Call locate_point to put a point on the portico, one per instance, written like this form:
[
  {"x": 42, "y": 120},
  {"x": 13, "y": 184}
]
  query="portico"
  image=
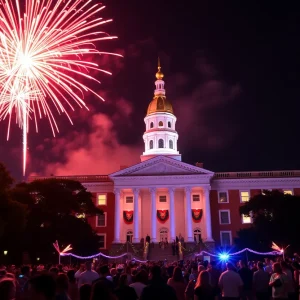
[{"x": 161, "y": 193}]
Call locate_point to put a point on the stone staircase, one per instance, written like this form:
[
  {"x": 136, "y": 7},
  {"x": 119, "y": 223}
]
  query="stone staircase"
[{"x": 156, "y": 253}]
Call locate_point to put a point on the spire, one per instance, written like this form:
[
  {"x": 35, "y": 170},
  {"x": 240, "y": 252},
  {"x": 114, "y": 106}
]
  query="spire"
[{"x": 159, "y": 74}]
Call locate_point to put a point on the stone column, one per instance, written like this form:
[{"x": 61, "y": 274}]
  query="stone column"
[
  {"x": 207, "y": 215},
  {"x": 172, "y": 214},
  {"x": 117, "y": 215},
  {"x": 136, "y": 235},
  {"x": 188, "y": 215},
  {"x": 153, "y": 215}
]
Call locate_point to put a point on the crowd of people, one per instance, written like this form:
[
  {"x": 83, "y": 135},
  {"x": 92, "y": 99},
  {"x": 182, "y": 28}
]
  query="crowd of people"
[{"x": 181, "y": 280}]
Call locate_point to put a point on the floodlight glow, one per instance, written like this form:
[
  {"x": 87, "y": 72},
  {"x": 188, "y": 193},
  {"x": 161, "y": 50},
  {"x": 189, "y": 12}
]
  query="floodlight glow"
[{"x": 224, "y": 256}]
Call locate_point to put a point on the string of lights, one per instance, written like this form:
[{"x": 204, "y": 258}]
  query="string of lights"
[
  {"x": 225, "y": 256},
  {"x": 93, "y": 256}
]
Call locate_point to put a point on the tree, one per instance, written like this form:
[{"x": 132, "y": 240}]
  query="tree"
[
  {"x": 12, "y": 214},
  {"x": 52, "y": 205},
  {"x": 275, "y": 218}
]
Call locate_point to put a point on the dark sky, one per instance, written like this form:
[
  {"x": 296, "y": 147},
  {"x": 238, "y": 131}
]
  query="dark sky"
[{"x": 232, "y": 73}]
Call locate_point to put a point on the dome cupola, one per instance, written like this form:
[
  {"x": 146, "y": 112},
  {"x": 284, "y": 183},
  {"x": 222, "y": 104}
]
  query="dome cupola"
[{"x": 160, "y": 137}]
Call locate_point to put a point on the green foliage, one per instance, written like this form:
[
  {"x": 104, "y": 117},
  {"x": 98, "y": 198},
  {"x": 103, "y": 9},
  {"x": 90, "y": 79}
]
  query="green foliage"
[
  {"x": 34, "y": 215},
  {"x": 275, "y": 218}
]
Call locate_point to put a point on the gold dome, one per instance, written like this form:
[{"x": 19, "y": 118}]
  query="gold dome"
[
  {"x": 159, "y": 75},
  {"x": 159, "y": 104}
]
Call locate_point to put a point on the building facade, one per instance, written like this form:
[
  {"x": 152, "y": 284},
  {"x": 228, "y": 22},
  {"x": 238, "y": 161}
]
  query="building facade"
[{"x": 164, "y": 197}]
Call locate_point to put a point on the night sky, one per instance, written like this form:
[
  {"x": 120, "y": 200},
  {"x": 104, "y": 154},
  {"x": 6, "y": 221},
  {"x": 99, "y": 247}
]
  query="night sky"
[{"x": 232, "y": 73}]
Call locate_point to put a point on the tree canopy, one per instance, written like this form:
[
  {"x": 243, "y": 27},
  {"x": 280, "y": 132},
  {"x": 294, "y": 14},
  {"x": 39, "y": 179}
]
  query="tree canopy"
[
  {"x": 275, "y": 218},
  {"x": 33, "y": 215}
]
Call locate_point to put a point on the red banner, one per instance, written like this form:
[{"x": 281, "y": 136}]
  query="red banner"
[
  {"x": 162, "y": 215},
  {"x": 197, "y": 215},
  {"x": 128, "y": 216}
]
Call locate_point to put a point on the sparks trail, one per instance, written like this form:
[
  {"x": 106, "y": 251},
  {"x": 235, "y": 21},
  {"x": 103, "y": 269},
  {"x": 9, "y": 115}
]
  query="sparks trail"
[{"x": 41, "y": 54}]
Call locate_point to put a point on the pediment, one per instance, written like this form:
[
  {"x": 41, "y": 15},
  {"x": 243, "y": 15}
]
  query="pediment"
[{"x": 160, "y": 166}]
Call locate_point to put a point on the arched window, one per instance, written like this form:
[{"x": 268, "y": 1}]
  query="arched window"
[
  {"x": 170, "y": 144},
  {"x": 160, "y": 124},
  {"x": 169, "y": 124},
  {"x": 151, "y": 144},
  {"x": 160, "y": 143},
  {"x": 151, "y": 125}
]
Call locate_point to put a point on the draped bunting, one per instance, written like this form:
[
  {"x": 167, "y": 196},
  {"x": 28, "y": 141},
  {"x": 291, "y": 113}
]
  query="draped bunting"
[
  {"x": 162, "y": 215},
  {"x": 128, "y": 216},
  {"x": 197, "y": 215}
]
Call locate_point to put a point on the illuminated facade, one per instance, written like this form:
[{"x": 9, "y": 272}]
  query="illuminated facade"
[{"x": 165, "y": 197}]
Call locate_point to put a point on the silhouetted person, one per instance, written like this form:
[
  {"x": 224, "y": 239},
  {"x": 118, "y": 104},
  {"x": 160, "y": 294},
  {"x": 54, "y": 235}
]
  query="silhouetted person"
[
  {"x": 147, "y": 238},
  {"x": 157, "y": 289}
]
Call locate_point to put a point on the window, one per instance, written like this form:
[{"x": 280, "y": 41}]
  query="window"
[
  {"x": 245, "y": 197},
  {"x": 223, "y": 197},
  {"x": 226, "y": 239},
  {"x": 129, "y": 236},
  {"x": 196, "y": 197},
  {"x": 151, "y": 144},
  {"x": 288, "y": 192},
  {"x": 151, "y": 125},
  {"x": 160, "y": 124},
  {"x": 170, "y": 144},
  {"x": 162, "y": 198},
  {"x": 246, "y": 219},
  {"x": 224, "y": 216},
  {"x": 101, "y": 220},
  {"x": 129, "y": 199},
  {"x": 102, "y": 241},
  {"x": 169, "y": 124},
  {"x": 160, "y": 143},
  {"x": 101, "y": 199}
]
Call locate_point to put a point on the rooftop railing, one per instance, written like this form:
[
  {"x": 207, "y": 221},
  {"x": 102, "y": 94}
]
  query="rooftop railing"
[
  {"x": 257, "y": 174},
  {"x": 80, "y": 178}
]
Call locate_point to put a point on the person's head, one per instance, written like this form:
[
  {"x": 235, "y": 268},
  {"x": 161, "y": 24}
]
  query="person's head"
[
  {"x": 85, "y": 292},
  {"x": 123, "y": 280},
  {"x": 277, "y": 268},
  {"x": 60, "y": 268},
  {"x": 62, "y": 282},
  {"x": 42, "y": 287},
  {"x": 230, "y": 267},
  {"x": 25, "y": 270},
  {"x": 202, "y": 279},
  {"x": 242, "y": 264},
  {"x": 88, "y": 266},
  {"x": 54, "y": 271},
  {"x": 7, "y": 289},
  {"x": 267, "y": 260},
  {"x": 142, "y": 277},
  {"x": 71, "y": 276},
  {"x": 260, "y": 265},
  {"x": 177, "y": 275},
  {"x": 100, "y": 291},
  {"x": 104, "y": 270},
  {"x": 283, "y": 265},
  {"x": 201, "y": 268},
  {"x": 113, "y": 271},
  {"x": 155, "y": 272}
]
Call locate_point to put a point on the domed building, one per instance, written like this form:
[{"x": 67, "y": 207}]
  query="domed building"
[
  {"x": 166, "y": 198},
  {"x": 160, "y": 137}
]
